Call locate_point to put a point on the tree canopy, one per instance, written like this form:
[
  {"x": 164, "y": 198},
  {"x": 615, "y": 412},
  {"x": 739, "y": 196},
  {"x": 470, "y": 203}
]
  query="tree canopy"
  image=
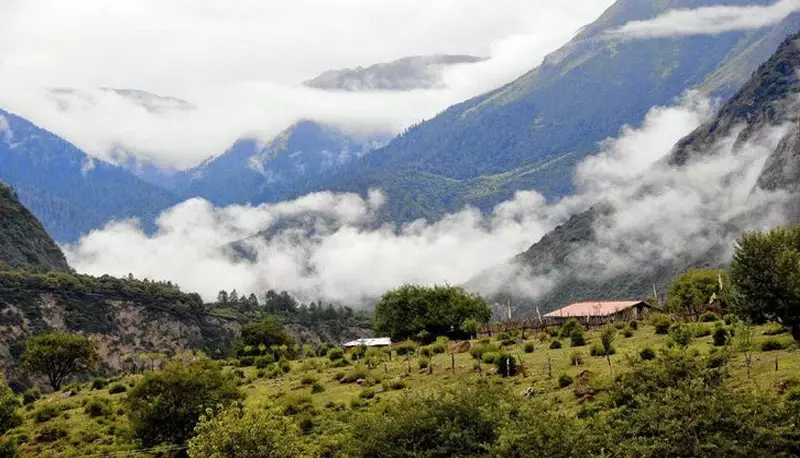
[
  {"x": 266, "y": 333},
  {"x": 165, "y": 406},
  {"x": 8, "y": 407},
  {"x": 691, "y": 293},
  {"x": 440, "y": 310},
  {"x": 765, "y": 272},
  {"x": 57, "y": 355}
]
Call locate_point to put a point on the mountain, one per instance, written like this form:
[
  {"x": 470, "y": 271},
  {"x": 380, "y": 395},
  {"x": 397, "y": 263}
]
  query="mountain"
[
  {"x": 255, "y": 172},
  {"x": 406, "y": 74},
  {"x": 531, "y": 133},
  {"x": 768, "y": 99},
  {"x": 65, "y": 98},
  {"x": 24, "y": 244},
  {"x": 70, "y": 192}
]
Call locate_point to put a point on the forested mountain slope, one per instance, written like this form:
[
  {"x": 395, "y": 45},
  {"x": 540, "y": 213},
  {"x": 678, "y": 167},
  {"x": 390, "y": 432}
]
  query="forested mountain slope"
[
  {"x": 24, "y": 244},
  {"x": 767, "y": 100},
  {"x": 530, "y": 133},
  {"x": 66, "y": 189}
]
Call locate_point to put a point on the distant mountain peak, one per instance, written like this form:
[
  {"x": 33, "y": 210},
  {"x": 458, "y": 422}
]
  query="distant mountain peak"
[
  {"x": 405, "y": 74},
  {"x": 65, "y": 98}
]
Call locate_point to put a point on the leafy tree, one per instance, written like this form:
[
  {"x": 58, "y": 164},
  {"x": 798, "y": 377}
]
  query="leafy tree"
[
  {"x": 691, "y": 293},
  {"x": 8, "y": 407},
  {"x": 254, "y": 432},
  {"x": 267, "y": 333},
  {"x": 680, "y": 334},
  {"x": 57, "y": 355},
  {"x": 607, "y": 341},
  {"x": 470, "y": 327},
  {"x": 765, "y": 272},
  {"x": 165, "y": 406},
  {"x": 439, "y": 310}
]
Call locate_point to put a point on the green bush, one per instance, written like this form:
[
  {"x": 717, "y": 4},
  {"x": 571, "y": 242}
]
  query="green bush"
[
  {"x": 440, "y": 346},
  {"x": 576, "y": 358},
  {"x": 426, "y": 352},
  {"x": 627, "y": 331},
  {"x": 405, "y": 348},
  {"x": 8, "y": 448},
  {"x": 261, "y": 362},
  {"x": 298, "y": 404},
  {"x": 774, "y": 329},
  {"x": 358, "y": 372},
  {"x": 774, "y": 345},
  {"x": 576, "y": 338},
  {"x": 424, "y": 363},
  {"x": 117, "y": 388},
  {"x": 721, "y": 336},
  {"x": 367, "y": 393},
  {"x": 45, "y": 413},
  {"x": 709, "y": 317},
  {"x": 567, "y": 328},
  {"x": 528, "y": 347},
  {"x": 307, "y": 379},
  {"x": 317, "y": 387},
  {"x": 30, "y": 396},
  {"x": 506, "y": 365},
  {"x": 647, "y": 354},
  {"x": 285, "y": 366},
  {"x": 680, "y": 335},
  {"x": 634, "y": 325},
  {"x": 97, "y": 407},
  {"x": 701, "y": 330},
  {"x": 246, "y": 361},
  {"x": 477, "y": 351},
  {"x": 397, "y": 384},
  {"x": 335, "y": 354},
  {"x": 598, "y": 350},
  {"x": 490, "y": 357},
  {"x": 661, "y": 323},
  {"x": 99, "y": 383},
  {"x": 555, "y": 345},
  {"x": 51, "y": 433},
  {"x": 564, "y": 381}
]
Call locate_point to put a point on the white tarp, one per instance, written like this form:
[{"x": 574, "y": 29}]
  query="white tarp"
[{"x": 378, "y": 342}]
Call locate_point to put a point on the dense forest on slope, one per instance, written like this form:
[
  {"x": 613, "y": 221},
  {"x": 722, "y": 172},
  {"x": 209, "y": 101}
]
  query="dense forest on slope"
[
  {"x": 767, "y": 99},
  {"x": 66, "y": 189},
  {"x": 24, "y": 244}
]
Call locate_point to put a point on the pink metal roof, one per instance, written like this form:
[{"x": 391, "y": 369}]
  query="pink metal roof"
[{"x": 593, "y": 308}]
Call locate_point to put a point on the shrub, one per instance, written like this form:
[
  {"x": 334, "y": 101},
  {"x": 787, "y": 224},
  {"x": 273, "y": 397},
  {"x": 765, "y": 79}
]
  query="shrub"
[
  {"x": 634, "y": 325},
  {"x": 506, "y": 365},
  {"x": 647, "y": 354},
  {"x": 709, "y": 317},
  {"x": 317, "y": 387},
  {"x": 367, "y": 393},
  {"x": 9, "y": 418},
  {"x": 99, "y": 383},
  {"x": 405, "y": 348},
  {"x": 97, "y": 407},
  {"x": 261, "y": 362},
  {"x": 307, "y": 380},
  {"x": 491, "y": 357},
  {"x": 45, "y": 413},
  {"x": 357, "y": 353},
  {"x": 571, "y": 325},
  {"x": 730, "y": 319},
  {"x": 627, "y": 332},
  {"x": 335, "y": 354},
  {"x": 285, "y": 366},
  {"x": 773, "y": 345},
  {"x": 424, "y": 363},
  {"x": 576, "y": 358},
  {"x": 555, "y": 345},
  {"x": 8, "y": 448},
  {"x": 774, "y": 329},
  {"x": 165, "y": 406},
  {"x": 508, "y": 343},
  {"x": 298, "y": 404},
  {"x": 341, "y": 363},
  {"x": 246, "y": 361},
  {"x": 51, "y": 433},
  {"x": 721, "y": 336},
  {"x": 660, "y": 322},
  {"x": 701, "y": 330},
  {"x": 528, "y": 347},
  {"x": 598, "y": 350},
  {"x": 397, "y": 384},
  {"x": 716, "y": 359},
  {"x": 426, "y": 352},
  {"x": 478, "y": 351},
  {"x": 30, "y": 396},
  {"x": 576, "y": 338},
  {"x": 117, "y": 388},
  {"x": 680, "y": 334},
  {"x": 564, "y": 381},
  {"x": 440, "y": 346},
  {"x": 358, "y": 372}
]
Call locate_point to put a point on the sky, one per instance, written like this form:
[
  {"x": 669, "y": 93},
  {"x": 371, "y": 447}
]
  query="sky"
[{"x": 240, "y": 63}]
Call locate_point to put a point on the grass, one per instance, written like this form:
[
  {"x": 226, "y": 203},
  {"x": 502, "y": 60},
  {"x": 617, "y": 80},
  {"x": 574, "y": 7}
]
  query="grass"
[{"x": 386, "y": 380}]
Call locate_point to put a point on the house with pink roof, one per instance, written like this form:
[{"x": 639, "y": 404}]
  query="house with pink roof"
[{"x": 601, "y": 311}]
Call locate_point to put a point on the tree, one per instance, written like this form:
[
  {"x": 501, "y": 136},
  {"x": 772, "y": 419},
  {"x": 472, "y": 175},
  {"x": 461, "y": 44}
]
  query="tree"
[
  {"x": 438, "y": 310},
  {"x": 607, "y": 340},
  {"x": 57, "y": 355},
  {"x": 8, "y": 407},
  {"x": 691, "y": 293},
  {"x": 470, "y": 326},
  {"x": 253, "y": 432},
  {"x": 765, "y": 273},
  {"x": 265, "y": 334},
  {"x": 165, "y": 406}
]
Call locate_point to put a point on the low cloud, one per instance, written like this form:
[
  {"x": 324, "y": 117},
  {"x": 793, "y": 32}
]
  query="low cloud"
[
  {"x": 711, "y": 20},
  {"x": 328, "y": 246}
]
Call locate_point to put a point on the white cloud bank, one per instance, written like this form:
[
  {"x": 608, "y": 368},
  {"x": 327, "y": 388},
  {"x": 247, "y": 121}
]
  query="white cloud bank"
[
  {"x": 712, "y": 20},
  {"x": 337, "y": 254},
  {"x": 240, "y": 63}
]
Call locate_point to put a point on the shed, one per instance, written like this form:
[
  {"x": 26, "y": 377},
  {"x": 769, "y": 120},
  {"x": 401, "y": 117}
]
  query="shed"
[
  {"x": 375, "y": 342},
  {"x": 601, "y": 311}
]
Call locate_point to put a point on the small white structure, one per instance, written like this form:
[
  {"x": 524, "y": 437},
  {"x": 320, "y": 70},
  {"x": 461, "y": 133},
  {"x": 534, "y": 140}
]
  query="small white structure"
[{"x": 378, "y": 342}]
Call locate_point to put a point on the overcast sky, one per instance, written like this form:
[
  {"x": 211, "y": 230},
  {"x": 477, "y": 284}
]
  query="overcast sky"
[{"x": 240, "y": 62}]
